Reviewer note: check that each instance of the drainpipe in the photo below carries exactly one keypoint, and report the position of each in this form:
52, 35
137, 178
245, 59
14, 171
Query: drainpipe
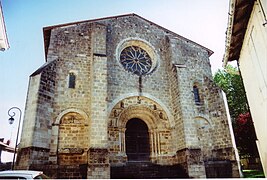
232, 135
263, 13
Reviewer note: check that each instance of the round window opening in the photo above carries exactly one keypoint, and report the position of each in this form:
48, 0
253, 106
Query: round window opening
136, 60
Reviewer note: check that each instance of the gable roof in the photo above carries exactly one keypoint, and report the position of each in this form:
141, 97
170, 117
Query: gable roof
47, 30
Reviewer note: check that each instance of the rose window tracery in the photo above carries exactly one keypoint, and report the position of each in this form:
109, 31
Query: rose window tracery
136, 60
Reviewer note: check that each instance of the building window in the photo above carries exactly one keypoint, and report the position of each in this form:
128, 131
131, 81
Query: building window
72, 79
136, 60
196, 95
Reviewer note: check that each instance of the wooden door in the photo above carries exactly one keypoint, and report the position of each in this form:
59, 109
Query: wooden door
137, 140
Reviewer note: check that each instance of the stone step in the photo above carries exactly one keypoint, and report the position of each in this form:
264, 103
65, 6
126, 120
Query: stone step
141, 170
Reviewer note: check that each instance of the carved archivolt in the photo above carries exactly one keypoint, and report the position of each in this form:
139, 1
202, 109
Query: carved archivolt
151, 117
134, 99
148, 111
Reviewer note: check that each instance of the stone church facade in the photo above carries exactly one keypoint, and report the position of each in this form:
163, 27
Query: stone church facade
123, 90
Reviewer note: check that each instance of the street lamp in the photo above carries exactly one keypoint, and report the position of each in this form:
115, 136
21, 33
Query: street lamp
11, 121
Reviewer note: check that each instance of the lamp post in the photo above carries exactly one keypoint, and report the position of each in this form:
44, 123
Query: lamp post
11, 121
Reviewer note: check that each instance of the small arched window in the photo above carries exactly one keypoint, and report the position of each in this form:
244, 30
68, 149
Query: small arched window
72, 79
196, 95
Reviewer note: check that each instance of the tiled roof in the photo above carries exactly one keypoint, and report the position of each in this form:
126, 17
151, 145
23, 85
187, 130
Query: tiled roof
239, 15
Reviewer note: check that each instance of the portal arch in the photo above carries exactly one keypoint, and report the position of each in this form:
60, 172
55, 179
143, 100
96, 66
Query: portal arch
147, 112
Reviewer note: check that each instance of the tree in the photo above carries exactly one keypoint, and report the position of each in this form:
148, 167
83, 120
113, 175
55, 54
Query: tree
245, 135
230, 81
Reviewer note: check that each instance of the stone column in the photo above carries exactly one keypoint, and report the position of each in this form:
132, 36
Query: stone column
123, 145
122, 140
158, 143
152, 144
155, 144
98, 162
98, 136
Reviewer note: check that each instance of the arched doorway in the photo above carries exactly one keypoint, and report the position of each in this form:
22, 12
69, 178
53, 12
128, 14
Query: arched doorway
137, 140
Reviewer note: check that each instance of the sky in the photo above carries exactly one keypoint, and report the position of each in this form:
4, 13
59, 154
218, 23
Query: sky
203, 22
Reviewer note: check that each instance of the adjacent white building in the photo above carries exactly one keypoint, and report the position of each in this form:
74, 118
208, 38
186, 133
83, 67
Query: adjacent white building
246, 42
3, 36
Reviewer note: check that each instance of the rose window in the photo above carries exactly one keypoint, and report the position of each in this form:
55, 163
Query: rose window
136, 60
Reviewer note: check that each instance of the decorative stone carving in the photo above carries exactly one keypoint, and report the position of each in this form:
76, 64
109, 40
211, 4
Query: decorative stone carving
71, 151
115, 113
72, 118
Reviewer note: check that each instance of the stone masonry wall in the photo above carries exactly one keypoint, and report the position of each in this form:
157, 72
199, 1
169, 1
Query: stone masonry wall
175, 93
201, 121
31, 105
72, 47
37, 123
121, 82
72, 140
